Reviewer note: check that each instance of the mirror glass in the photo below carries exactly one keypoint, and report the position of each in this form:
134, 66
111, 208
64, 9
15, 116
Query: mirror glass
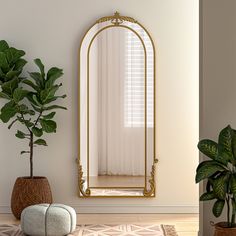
117, 115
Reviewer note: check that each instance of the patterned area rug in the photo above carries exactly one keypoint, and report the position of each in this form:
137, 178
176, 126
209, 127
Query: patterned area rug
125, 230
10, 230
105, 230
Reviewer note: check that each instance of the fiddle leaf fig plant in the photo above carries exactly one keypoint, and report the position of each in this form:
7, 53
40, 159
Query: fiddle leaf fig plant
220, 173
28, 101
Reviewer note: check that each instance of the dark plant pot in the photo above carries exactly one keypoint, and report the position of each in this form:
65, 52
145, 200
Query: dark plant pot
29, 191
222, 230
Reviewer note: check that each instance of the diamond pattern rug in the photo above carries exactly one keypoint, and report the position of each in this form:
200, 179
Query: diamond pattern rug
125, 230
105, 230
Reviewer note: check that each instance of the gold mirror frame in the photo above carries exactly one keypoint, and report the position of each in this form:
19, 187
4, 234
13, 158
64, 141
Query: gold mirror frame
116, 21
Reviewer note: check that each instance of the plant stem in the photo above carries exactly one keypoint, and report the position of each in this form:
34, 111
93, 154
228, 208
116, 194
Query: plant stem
233, 212
228, 211
36, 122
233, 220
31, 143
22, 116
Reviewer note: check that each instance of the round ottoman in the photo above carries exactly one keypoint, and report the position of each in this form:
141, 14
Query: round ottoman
48, 220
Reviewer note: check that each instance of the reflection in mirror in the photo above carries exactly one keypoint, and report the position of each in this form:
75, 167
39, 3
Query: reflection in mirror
117, 115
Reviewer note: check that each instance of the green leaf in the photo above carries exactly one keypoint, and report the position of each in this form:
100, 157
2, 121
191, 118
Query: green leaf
28, 123
13, 54
48, 126
2, 75
234, 143
48, 93
40, 142
208, 186
8, 111
220, 186
19, 94
40, 66
20, 63
31, 84
37, 78
10, 86
3, 62
218, 208
36, 100
22, 108
53, 74
25, 110
207, 169
3, 45
207, 196
233, 185
62, 96
49, 116
37, 132
209, 148
4, 95
20, 134
32, 101
12, 123
11, 74
30, 112
225, 150
54, 107
23, 152
54, 99
38, 109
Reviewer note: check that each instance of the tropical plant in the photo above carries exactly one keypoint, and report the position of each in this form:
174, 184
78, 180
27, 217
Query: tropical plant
29, 101
220, 173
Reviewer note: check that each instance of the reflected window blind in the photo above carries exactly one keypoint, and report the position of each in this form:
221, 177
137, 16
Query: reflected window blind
134, 97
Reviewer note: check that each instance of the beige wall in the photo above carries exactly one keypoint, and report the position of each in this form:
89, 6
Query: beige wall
218, 80
52, 31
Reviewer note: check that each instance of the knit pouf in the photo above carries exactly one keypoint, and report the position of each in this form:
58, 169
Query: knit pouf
48, 220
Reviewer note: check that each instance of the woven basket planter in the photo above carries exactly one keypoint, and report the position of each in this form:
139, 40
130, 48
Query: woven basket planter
222, 230
29, 191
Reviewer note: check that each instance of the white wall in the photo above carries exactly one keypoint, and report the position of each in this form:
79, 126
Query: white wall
52, 31
218, 78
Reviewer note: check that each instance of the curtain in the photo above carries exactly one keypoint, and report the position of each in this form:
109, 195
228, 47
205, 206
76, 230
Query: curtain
120, 104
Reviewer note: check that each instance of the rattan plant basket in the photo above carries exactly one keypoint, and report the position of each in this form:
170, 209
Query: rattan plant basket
222, 230
29, 191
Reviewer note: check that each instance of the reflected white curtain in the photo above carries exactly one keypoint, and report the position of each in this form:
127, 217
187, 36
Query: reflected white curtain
120, 141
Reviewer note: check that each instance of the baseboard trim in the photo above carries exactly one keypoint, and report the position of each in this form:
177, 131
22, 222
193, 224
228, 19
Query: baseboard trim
5, 209
200, 233
135, 209
90, 209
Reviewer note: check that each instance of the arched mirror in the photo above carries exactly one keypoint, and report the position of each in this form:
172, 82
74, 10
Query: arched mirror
117, 152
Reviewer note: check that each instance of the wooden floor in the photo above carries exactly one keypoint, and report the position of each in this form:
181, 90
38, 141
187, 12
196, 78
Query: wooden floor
185, 224
116, 181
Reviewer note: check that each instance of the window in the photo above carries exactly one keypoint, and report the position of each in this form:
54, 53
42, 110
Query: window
134, 96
